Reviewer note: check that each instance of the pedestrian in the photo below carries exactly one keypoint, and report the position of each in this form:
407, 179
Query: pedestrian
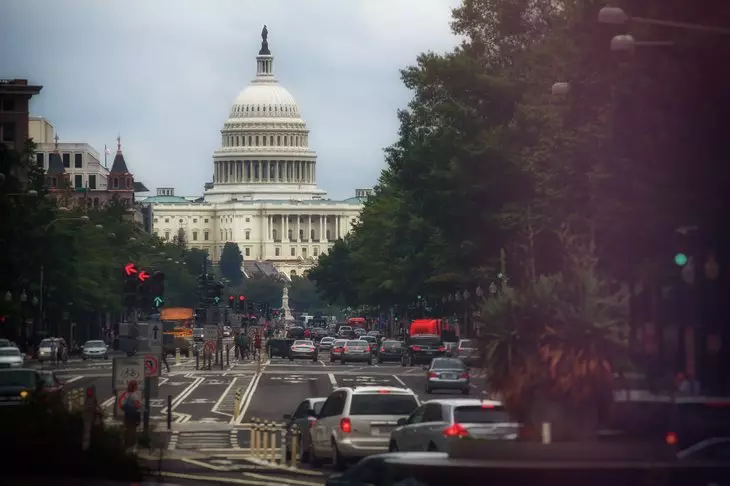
244, 346
257, 345
164, 361
131, 407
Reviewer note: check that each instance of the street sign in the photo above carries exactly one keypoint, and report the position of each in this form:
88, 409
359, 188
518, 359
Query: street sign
120, 400
128, 369
210, 333
154, 333
210, 347
151, 365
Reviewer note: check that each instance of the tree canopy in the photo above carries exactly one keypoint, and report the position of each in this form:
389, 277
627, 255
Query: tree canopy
231, 263
492, 171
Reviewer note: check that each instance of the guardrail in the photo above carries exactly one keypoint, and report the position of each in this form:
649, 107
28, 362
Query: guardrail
269, 443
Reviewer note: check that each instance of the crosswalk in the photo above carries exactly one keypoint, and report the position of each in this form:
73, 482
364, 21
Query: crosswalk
198, 440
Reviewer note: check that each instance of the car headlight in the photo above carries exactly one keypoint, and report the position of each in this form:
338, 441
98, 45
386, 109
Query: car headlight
24, 394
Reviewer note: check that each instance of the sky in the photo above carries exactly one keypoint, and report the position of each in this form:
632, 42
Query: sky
163, 74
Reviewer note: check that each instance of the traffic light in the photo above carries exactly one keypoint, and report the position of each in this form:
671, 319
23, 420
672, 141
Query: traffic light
231, 302
130, 284
685, 244
157, 289
216, 292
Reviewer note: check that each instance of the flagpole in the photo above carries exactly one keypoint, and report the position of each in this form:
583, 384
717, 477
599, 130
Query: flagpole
106, 151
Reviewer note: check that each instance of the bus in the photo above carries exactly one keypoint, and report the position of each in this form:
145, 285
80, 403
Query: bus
177, 325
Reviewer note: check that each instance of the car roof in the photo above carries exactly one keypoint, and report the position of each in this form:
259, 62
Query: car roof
465, 402
364, 390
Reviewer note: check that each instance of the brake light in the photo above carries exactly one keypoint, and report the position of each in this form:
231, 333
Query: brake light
456, 430
346, 425
383, 392
464, 375
416, 348
431, 374
487, 405
367, 349
717, 404
382, 350
671, 438
441, 348
344, 349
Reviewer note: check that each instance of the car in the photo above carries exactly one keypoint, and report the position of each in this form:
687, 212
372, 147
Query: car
303, 348
326, 343
372, 341
357, 350
11, 357
303, 417
337, 350
467, 352
19, 386
52, 386
94, 349
390, 350
447, 374
356, 422
422, 348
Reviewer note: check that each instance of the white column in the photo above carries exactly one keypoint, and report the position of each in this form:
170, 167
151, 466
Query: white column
309, 227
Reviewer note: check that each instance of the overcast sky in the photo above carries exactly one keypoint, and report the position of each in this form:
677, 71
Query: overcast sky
164, 75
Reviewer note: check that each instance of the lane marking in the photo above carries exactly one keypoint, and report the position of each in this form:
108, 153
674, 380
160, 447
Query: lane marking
246, 401
221, 398
237, 420
322, 363
107, 403
181, 418
75, 378
287, 480
224, 480
401, 381
333, 380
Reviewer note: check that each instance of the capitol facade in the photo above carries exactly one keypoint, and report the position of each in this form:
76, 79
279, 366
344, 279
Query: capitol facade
264, 193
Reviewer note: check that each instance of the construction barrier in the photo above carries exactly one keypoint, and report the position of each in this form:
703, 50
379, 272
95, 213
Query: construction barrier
268, 442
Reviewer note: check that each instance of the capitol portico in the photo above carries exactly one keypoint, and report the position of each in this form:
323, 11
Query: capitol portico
264, 193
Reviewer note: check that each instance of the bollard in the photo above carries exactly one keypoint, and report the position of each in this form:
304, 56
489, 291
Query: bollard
221, 353
254, 436
169, 412
228, 354
546, 433
197, 359
283, 460
177, 355
294, 445
237, 403
264, 439
272, 438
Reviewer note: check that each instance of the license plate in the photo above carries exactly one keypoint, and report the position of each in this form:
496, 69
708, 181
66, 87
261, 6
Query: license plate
381, 430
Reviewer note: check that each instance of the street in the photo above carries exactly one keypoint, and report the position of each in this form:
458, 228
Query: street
203, 401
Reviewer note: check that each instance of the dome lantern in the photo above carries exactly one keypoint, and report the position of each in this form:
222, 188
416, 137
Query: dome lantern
264, 61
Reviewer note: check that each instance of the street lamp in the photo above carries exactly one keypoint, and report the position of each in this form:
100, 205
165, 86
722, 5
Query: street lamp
627, 43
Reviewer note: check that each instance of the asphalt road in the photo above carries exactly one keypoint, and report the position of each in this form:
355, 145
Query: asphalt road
203, 400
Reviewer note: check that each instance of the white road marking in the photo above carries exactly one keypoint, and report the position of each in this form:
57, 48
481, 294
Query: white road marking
106, 403
333, 380
400, 381
75, 378
322, 363
247, 397
221, 398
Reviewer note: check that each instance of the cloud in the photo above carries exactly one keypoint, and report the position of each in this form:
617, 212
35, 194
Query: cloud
165, 73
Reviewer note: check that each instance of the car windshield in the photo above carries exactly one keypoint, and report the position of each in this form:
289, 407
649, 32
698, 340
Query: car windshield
447, 364
327, 340
425, 341
48, 379
4, 343
476, 414
9, 352
356, 344
339, 343
383, 404
466, 343
25, 378
94, 344
46, 343
302, 343
369, 339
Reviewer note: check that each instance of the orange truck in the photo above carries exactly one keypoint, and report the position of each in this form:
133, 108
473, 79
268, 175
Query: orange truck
438, 327
178, 323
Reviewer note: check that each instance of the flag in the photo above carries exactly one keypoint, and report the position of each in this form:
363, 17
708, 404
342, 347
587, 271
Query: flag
107, 151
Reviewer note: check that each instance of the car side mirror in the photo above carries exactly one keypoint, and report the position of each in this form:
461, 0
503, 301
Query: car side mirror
287, 416
401, 422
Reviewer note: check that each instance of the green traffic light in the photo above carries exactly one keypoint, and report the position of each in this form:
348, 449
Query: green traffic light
681, 259
158, 301
217, 299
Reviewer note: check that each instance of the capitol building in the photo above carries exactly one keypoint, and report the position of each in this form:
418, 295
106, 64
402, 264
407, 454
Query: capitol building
264, 193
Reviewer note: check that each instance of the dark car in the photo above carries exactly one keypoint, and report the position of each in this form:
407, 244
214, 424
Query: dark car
53, 386
19, 386
390, 350
372, 341
422, 348
295, 333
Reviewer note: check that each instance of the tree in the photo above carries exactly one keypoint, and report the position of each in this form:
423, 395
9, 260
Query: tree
180, 240
303, 296
231, 262
267, 290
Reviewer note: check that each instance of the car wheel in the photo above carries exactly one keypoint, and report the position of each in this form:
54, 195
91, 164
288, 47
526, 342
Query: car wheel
314, 461
338, 462
314, 360
291, 359
106, 356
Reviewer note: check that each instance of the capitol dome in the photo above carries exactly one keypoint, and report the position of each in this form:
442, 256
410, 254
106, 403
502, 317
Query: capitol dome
264, 152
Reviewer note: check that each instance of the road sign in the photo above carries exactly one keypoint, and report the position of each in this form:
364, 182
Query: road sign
154, 332
209, 347
151, 365
120, 400
128, 369
210, 333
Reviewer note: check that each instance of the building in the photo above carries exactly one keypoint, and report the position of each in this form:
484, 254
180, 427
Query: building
264, 193
75, 173
15, 95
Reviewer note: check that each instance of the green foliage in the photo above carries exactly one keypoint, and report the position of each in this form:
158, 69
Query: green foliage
231, 263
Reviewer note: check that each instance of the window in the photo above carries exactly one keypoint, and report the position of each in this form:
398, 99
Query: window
195, 220
8, 130
302, 410
327, 235
315, 251
289, 234
205, 236
40, 159
277, 251
383, 404
167, 235
293, 252
247, 235
334, 405
248, 251
480, 415
129, 183
447, 364
304, 253
78, 181
78, 161
433, 413
195, 236
301, 234
180, 221
116, 186
167, 220
311, 233
67, 161
248, 220
92, 181
206, 220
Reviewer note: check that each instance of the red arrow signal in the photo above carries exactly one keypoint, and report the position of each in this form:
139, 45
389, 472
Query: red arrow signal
142, 276
130, 268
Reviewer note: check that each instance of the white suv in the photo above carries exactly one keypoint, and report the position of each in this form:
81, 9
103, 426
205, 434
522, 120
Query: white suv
357, 422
